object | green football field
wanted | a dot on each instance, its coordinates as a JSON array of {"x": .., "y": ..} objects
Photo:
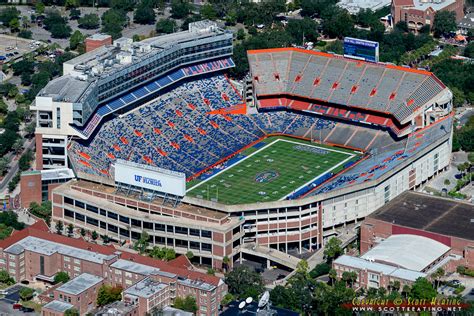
[{"x": 281, "y": 166}]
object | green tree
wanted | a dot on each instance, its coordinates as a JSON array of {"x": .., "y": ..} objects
[
  {"x": 26, "y": 293},
  {"x": 328, "y": 300},
  {"x": 332, "y": 249},
  {"x": 4, "y": 162},
  {"x": 125, "y": 5},
  {"x": 349, "y": 277},
  {"x": 61, "y": 277},
  {"x": 71, "y": 312},
  {"x": 74, "y": 14},
  {"x": 180, "y": 9},
  {"x": 8, "y": 13},
  {"x": 142, "y": 243},
  {"x": 25, "y": 34},
  {"x": 144, "y": 14},
  {"x": 57, "y": 25},
  {"x": 83, "y": 232},
  {"x": 208, "y": 12},
  {"x": 5, "y": 278},
  {"x": 227, "y": 299},
  {"x": 320, "y": 269},
  {"x": 211, "y": 271},
  {"x": 338, "y": 24},
  {"x": 166, "y": 26},
  {"x": 94, "y": 235},
  {"x": 303, "y": 30},
  {"x": 113, "y": 21},
  {"x": 5, "y": 231},
  {"x": 241, "y": 34},
  {"x": 18, "y": 146},
  {"x": 444, "y": 22},
  {"x": 170, "y": 254},
  {"x": 89, "y": 21},
  {"x": 243, "y": 281},
  {"x": 469, "y": 50},
  {"x": 70, "y": 229},
  {"x": 39, "y": 7},
  {"x": 10, "y": 219},
  {"x": 59, "y": 227},
  {"x": 187, "y": 304},
  {"x": 108, "y": 294},
  {"x": 14, "y": 25},
  {"x": 422, "y": 289},
  {"x": 76, "y": 39},
  {"x": 189, "y": 254}
]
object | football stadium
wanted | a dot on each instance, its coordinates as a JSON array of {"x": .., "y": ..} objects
[{"x": 161, "y": 140}]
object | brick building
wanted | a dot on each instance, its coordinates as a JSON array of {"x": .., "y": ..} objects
[
  {"x": 418, "y": 13},
  {"x": 97, "y": 40},
  {"x": 37, "y": 254},
  {"x": 442, "y": 220}
]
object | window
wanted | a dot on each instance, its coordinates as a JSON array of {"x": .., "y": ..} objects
[
  {"x": 103, "y": 212},
  {"x": 206, "y": 247},
  {"x": 79, "y": 204},
  {"x": 169, "y": 228},
  {"x": 194, "y": 232},
  {"x": 148, "y": 225},
  {"x": 124, "y": 219},
  {"x": 68, "y": 200},
  {"x": 112, "y": 215},
  {"x": 67, "y": 259},
  {"x": 92, "y": 208},
  {"x": 136, "y": 222},
  {"x": 181, "y": 230},
  {"x": 206, "y": 233},
  {"x": 41, "y": 265},
  {"x": 68, "y": 213},
  {"x": 80, "y": 217},
  {"x": 160, "y": 227},
  {"x": 92, "y": 221}
]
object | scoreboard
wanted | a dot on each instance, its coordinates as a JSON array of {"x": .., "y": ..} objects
[{"x": 361, "y": 49}]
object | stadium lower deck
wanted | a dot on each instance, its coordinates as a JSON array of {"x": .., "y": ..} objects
[{"x": 175, "y": 131}]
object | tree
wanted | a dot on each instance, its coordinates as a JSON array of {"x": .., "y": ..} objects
[
  {"x": 108, "y": 294},
  {"x": 469, "y": 50},
  {"x": 23, "y": 66},
  {"x": 57, "y": 25},
  {"x": 170, "y": 254},
  {"x": 76, "y": 39},
  {"x": 113, "y": 21},
  {"x": 208, "y": 12},
  {"x": 14, "y": 25},
  {"x": 18, "y": 146},
  {"x": 26, "y": 293},
  {"x": 5, "y": 278},
  {"x": 144, "y": 14},
  {"x": 349, "y": 277},
  {"x": 243, "y": 281},
  {"x": 83, "y": 232},
  {"x": 332, "y": 249},
  {"x": 422, "y": 289},
  {"x": 61, "y": 277},
  {"x": 71, "y": 4},
  {"x": 8, "y": 13},
  {"x": 60, "y": 31},
  {"x": 59, "y": 227},
  {"x": 180, "y": 9},
  {"x": 39, "y": 7},
  {"x": 447, "y": 182},
  {"x": 439, "y": 273},
  {"x": 4, "y": 162},
  {"x": 401, "y": 26},
  {"x": 74, "y": 14},
  {"x": 303, "y": 30},
  {"x": 70, "y": 229},
  {"x": 444, "y": 22},
  {"x": 211, "y": 271},
  {"x": 166, "y": 26},
  {"x": 332, "y": 275},
  {"x": 105, "y": 239},
  {"x": 189, "y": 254},
  {"x": 142, "y": 243},
  {"x": 338, "y": 24},
  {"x": 187, "y": 304},
  {"x": 25, "y": 34},
  {"x": 25, "y": 159},
  {"x": 71, "y": 312},
  {"x": 241, "y": 34},
  {"x": 320, "y": 269},
  {"x": 94, "y": 235},
  {"x": 227, "y": 299},
  {"x": 89, "y": 21},
  {"x": 125, "y": 5},
  {"x": 225, "y": 262}
]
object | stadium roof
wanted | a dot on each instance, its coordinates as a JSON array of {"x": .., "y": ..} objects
[
  {"x": 404, "y": 251},
  {"x": 433, "y": 214},
  {"x": 362, "y": 264},
  {"x": 327, "y": 78}
]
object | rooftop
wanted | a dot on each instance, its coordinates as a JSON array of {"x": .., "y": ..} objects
[
  {"x": 354, "y": 6},
  {"x": 115, "y": 309},
  {"x": 134, "y": 267},
  {"x": 467, "y": 21},
  {"x": 435, "y": 4},
  {"x": 362, "y": 264},
  {"x": 404, "y": 251},
  {"x": 58, "y": 306},
  {"x": 99, "y": 37},
  {"x": 80, "y": 284},
  {"x": 48, "y": 248},
  {"x": 145, "y": 288},
  {"x": 53, "y": 174},
  {"x": 433, "y": 214}
]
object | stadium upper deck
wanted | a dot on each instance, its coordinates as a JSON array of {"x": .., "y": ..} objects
[{"x": 327, "y": 79}]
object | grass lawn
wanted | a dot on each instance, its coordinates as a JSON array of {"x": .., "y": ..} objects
[{"x": 271, "y": 171}]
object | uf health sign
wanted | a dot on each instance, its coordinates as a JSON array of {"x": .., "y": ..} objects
[{"x": 152, "y": 178}]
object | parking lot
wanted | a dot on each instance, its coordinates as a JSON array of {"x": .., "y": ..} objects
[
  {"x": 11, "y": 44},
  {"x": 6, "y": 303}
]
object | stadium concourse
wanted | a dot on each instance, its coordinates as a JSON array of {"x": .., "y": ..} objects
[{"x": 324, "y": 142}]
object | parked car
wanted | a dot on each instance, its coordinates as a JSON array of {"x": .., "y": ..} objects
[
  {"x": 26, "y": 309},
  {"x": 17, "y": 306},
  {"x": 455, "y": 282}
]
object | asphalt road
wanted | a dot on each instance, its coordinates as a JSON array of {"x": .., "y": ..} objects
[{"x": 13, "y": 170}]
